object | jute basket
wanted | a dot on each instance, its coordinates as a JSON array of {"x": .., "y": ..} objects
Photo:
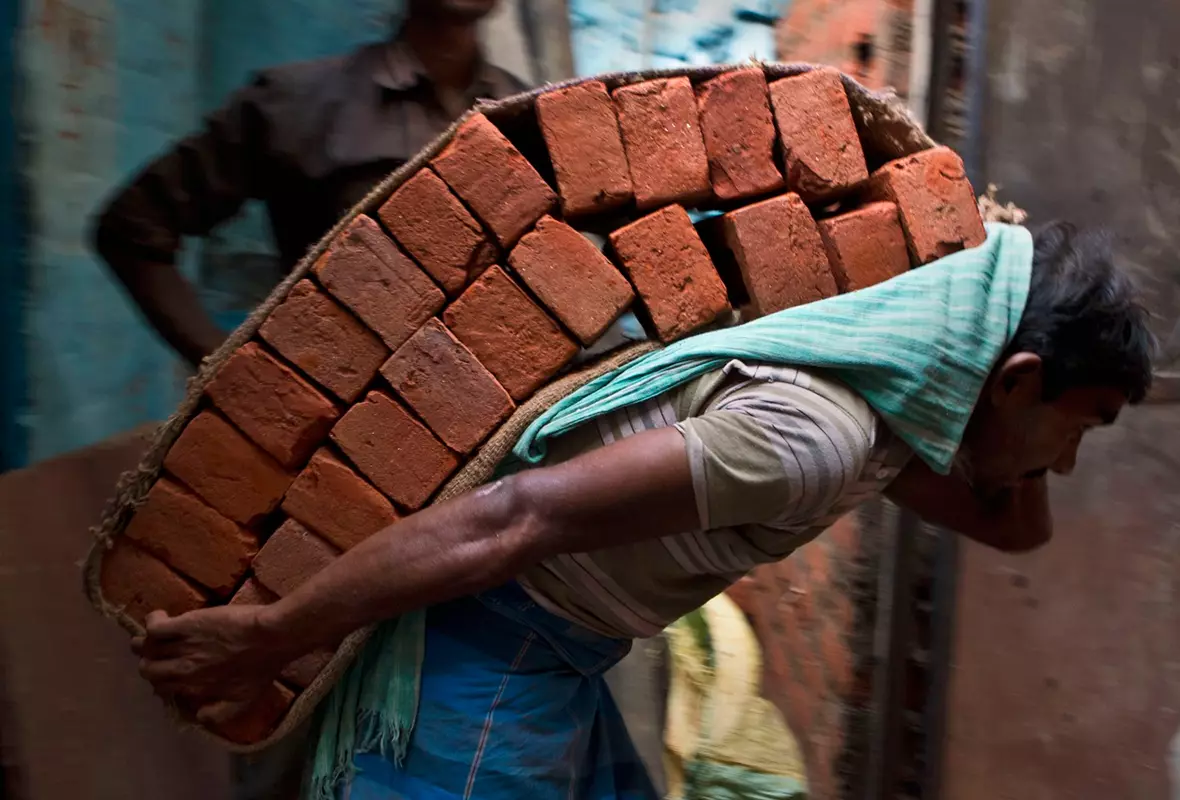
[{"x": 887, "y": 132}]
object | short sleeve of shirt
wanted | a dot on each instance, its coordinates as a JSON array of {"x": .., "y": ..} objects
[{"x": 776, "y": 453}]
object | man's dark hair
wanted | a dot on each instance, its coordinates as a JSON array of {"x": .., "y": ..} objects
[{"x": 1083, "y": 316}]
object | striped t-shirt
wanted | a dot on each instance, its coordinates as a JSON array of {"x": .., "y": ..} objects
[{"x": 777, "y": 455}]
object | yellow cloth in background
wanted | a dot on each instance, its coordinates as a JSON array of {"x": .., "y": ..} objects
[{"x": 718, "y": 723}]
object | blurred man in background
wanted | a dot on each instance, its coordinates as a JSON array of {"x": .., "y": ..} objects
[{"x": 309, "y": 140}]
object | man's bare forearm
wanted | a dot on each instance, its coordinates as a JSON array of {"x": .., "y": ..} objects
[
  {"x": 635, "y": 489},
  {"x": 467, "y": 545},
  {"x": 171, "y": 305}
]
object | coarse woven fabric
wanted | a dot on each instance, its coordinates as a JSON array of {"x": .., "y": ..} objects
[{"x": 917, "y": 348}]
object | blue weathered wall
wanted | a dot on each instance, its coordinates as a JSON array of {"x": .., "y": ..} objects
[
  {"x": 109, "y": 83},
  {"x": 106, "y": 83},
  {"x": 611, "y": 35},
  {"x": 13, "y": 378}
]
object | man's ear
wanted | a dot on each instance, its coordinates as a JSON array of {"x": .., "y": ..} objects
[{"x": 1018, "y": 381}]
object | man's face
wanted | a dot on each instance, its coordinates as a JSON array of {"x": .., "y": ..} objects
[
  {"x": 461, "y": 9},
  {"x": 1015, "y": 434}
]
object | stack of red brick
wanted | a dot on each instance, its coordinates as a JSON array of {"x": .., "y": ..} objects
[{"x": 421, "y": 328}]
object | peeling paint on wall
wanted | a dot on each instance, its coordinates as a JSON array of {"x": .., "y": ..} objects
[
  {"x": 111, "y": 83},
  {"x": 96, "y": 74},
  {"x": 613, "y": 35}
]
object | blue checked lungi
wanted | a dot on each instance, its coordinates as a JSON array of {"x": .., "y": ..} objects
[{"x": 512, "y": 706}]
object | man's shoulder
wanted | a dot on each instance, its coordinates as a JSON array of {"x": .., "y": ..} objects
[
  {"x": 779, "y": 386},
  {"x": 311, "y": 76}
]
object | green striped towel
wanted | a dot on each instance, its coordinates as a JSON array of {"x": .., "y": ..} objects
[{"x": 918, "y": 348}]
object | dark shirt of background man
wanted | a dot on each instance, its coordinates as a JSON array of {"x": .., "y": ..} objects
[{"x": 309, "y": 140}]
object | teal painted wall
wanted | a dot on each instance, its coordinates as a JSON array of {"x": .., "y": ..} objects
[{"x": 108, "y": 84}]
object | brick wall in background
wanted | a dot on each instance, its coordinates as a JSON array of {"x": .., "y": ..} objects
[
  {"x": 814, "y": 617},
  {"x": 867, "y": 39}
]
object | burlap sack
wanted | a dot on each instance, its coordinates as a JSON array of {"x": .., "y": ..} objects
[{"x": 886, "y": 129}]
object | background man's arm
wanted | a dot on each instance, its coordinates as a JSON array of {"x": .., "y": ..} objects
[
  {"x": 170, "y": 304},
  {"x": 202, "y": 182},
  {"x": 639, "y": 488},
  {"x": 1016, "y": 521}
]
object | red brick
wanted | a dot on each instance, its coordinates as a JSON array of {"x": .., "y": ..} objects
[
  {"x": 672, "y": 271},
  {"x": 745, "y": 595},
  {"x": 824, "y": 744},
  {"x": 937, "y": 204},
  {"x": 227, "y": 470},
  {"x": 819, "y": 565},
  {"x": 865, "y": 247},
  {"x": 398, "y": 453},
  {"x": 739, "y": 134},
  {"x": 434, "y": 227},
  {"x": 366, "y": 271},
  {"x": 820, "y": 145},
  {"x": 281, "y": 412},
  {"x": 837, "y": 658},
  {"x": 189, "y": 536},
  {"x": 780, "y": 253},
  {"x": 253, "y": 593},
  {"x": 257, "y": 721},
  {"x": 290, "y": 557},
  {"x": 315, "y": 334},
  {"x": 140, "y": 583},
  {"x": 798, "y": 704},
  {"x": 809, "y": 669},
  {"x": 581, "y": 131},
  {"x": 509, "y": 334},
  {"x": 336, "y": 503},
  {"x": 844, "y": 538},
  {"x": 494, "y": 179},
  {"x": 302, "y": 671},
  {"x": 448, "y": 388},
  {"x": 572, "y": 278},
  {"x": 662, "y": 136},
  {"x": 843, "y": 612}
]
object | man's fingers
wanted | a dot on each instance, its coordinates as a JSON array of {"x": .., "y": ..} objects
[
  {"x": 137, "y": 645},
  {"x": 161, "y": 673},
  {"x": 161, "y": 626},
  {"x": 222, "y": 712},
  {"x": 167, "y": 650}
]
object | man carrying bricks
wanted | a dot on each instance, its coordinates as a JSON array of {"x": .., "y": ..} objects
[
  {"x": 953, "y": 389},
  {"x": 309, "y": 140}
]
